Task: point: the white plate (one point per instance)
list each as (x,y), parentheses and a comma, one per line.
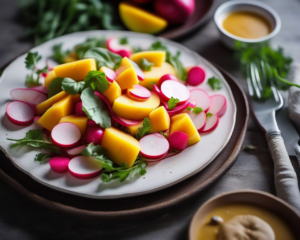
(159,175)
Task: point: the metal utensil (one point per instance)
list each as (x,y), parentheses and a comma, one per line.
(286,182)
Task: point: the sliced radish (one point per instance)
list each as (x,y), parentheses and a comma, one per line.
(35,120)
(196,76)
(84,167)
(174,89)
(140,74)
(211,124)
(75,151)
(178,140)
(167,77)
(109,73)
(124,53)
(113,45)
(91,123)
(28,95)
(66,134)
(20,113)
(218,105)
(42,89)
(59,164)
(138,92)
(78,110)
(178,109)
(154,146)
(199,119)
(201,98)
(193,104)
(94,135)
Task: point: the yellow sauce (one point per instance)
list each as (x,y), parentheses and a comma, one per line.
(247,25)
(209,231)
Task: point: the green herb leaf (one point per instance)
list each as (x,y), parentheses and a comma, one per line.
(145,65)
(172,103)
(32,59)
(93,106)
(197,110)
(97,81)
(58,54)
(137,49)
(82,48)
(92,150)
(104,57)
(145,129)
(189,108)
(107,164)
(72,87)
(153,82)
(55,87)
(40,157)
(214,83)
(208,115)
(123,41)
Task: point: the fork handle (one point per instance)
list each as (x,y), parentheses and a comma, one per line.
(286,182)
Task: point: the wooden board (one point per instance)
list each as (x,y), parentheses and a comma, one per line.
(140,206)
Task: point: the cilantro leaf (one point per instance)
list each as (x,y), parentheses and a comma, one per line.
(55,87)
(72,87)
(31,60)
(197,110)
(145,129)
(214,83)
(92,150)
(123,41)
(172,103)
(189,108)
(58,54)
(93,106)
(145,64)
(40,157)
(208,115)
(97,81)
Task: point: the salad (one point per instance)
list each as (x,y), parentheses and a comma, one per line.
(110,108)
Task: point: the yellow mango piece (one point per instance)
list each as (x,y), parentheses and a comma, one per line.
(49,78)
(125,64)
(138,20)
(52,116)
(155,74)
(134,128)
(80,121)
(156,57)
(135,110)
(160,120)
(76,70)
(113,92)
(127,78)
(43,107)
(183,123)
(120,146)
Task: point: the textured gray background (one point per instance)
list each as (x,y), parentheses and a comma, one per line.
(21,219)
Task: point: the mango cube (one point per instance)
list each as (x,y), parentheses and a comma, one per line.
(76,70)
(44,106)
(128,108)
(49,78)
(113,92)
(127,78)
(160,120)
(80,121)
(183,123)
(156,57)
(132,130)
(52,116)
(120,146)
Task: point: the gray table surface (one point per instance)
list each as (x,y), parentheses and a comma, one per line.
(22,219)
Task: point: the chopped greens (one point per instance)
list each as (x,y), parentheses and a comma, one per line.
(208,115)
(123,41)
(71,86)
(145,129)
(189,108)
(97,81)
(197,110)
(145,64)
(172,103)
(92,150)
(214,83)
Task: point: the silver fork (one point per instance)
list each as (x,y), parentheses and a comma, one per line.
(286,182)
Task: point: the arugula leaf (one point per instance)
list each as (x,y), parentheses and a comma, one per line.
(172,103)
(123,41)
(55,87)
(97,81)
(71,86)
(208,115)
(145,64)
(40,157)
(145,129)
(92,150)
(104,57)
(214,83)
(93,106)
(197,110)
(58,54)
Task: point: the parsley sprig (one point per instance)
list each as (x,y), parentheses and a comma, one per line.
(172,103)
(31,60)
(145,129)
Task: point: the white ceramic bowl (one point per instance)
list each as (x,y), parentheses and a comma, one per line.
(250,6)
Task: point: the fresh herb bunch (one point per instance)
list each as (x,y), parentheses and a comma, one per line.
(264,67)
(52,18)
(31,60)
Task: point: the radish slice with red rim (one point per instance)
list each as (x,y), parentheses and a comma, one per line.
(75,151)
(113,45)
(167,77)
(84,167)
(110,74)
(218,105)
(174,89)
(211,124)
(20,113)
(154,146)
(138,92)
(196,76)
(178,109)
(42,89)
(201,98)
(59,164)
(199,119)
(66,134)
(28,95)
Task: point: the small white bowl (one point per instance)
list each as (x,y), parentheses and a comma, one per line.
(250,6)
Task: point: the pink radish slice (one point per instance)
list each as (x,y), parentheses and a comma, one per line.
(199,120)
(167,77)
(42,89)
(28,95)
(139,92)
(113,45)
(140,74)
(20,113)
(211,124)
(84,167)
(158,92)
(218,105)
(94,135)
(59,164)
(178,109)
(78,110)
(154,146)
(35,120)
(193,104)
(178,140)
(174,89)
(201,98)
(91,123)
(124,53)
(66,134)
(110,74)
(75,151)
(196,76)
